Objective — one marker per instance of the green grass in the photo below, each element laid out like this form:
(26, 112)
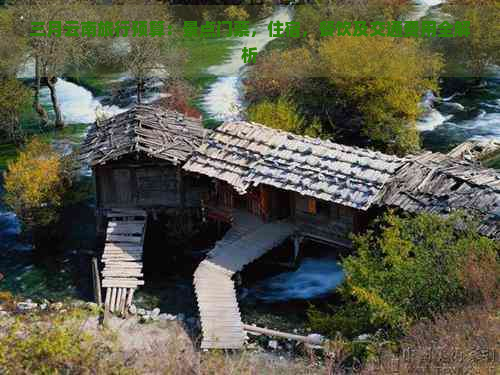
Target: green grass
(203, 53)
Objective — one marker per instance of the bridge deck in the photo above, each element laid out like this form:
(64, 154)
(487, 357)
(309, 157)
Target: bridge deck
(246, 241)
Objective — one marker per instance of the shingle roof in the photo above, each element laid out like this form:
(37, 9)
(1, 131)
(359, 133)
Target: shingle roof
(154, 131)
(437, 183)
(248, 154)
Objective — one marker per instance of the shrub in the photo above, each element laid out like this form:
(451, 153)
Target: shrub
(282, 114)
(415, 267)
(57, 346)
(35, 185)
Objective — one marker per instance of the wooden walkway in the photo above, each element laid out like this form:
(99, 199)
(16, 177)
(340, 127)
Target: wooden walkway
(247, 240)
(122, 258)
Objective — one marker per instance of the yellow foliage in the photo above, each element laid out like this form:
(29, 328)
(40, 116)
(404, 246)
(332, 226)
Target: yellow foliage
(384, 78)
(236, 13)
(35, 183)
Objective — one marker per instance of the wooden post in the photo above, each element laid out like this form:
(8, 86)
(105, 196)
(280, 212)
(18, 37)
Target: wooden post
(96, 282)
(113, 299)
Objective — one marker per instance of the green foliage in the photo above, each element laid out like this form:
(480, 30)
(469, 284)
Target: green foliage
(14, 97)
(411, 268)
(282, 114)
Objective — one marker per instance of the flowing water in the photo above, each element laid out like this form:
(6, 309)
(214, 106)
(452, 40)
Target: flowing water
(464, 112)
(224, 98)
(316, 277)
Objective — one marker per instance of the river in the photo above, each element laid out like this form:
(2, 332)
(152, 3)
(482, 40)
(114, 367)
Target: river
(451, 119)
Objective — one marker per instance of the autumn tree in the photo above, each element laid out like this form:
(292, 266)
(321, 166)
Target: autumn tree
(383, 78)
(141, 54)
(35, 185)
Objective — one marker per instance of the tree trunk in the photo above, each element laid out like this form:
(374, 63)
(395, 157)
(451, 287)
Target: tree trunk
(51, 83)
(44, 117)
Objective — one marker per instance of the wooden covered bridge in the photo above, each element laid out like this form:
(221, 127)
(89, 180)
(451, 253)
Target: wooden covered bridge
(268, 185)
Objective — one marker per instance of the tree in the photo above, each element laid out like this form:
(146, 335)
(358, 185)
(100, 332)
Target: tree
(384, 79)
(414, 267)
(51, 55)
(145, 56)
(35, 185)
(479, 51)
(13, 99)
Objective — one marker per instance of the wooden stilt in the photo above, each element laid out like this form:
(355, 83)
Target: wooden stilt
(113, 299)
(108, 299)
(130, 297)
(118, 299)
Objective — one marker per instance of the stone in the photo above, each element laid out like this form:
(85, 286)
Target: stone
(4, 313)
(44, 306)
(92, 306)
(363, 337)
(166, 317)
(141, 312)
(132, 309)
(56, 306)
(315, 339)
(273, 344)
(25, 306)
(155, 313)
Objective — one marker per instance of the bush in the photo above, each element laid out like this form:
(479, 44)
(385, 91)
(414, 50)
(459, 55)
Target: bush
(56, 346)
(414, 267)
(35, 185)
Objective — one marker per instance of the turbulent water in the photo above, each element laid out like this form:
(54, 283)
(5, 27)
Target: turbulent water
(474, 114)
(315, 278)
(223, 99)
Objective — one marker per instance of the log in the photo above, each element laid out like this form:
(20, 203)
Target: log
(316, 340)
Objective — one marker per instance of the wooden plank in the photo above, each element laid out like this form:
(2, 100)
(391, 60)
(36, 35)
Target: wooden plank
(122, 283)
(126, 239)
(113, 224)
(127, 265)
(122, 247)
(126, 229)
(122, 273)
